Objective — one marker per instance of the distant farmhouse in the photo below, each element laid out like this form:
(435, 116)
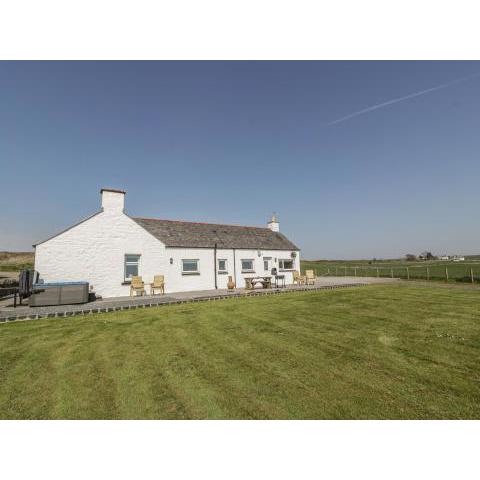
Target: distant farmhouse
(109, 248)
(429, 256)
(455, 258)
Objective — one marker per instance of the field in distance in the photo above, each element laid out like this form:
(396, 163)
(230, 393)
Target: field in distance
(459, 271)
(15, 261)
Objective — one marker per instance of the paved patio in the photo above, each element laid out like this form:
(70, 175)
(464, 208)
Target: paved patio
(24, 312)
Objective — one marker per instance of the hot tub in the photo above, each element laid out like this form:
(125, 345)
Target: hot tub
(58, 293)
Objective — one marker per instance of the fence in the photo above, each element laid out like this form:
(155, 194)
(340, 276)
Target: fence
(4, 292)
(469, 273)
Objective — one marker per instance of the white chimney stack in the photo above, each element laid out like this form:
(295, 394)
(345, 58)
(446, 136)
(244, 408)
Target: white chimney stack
(273, 224)
(112, 200)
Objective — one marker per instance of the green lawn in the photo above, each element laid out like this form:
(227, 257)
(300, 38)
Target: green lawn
(383, 351)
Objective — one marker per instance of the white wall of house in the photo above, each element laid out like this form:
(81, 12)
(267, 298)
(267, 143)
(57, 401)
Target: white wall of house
(94, 251)
(272, 256)
(177, 281)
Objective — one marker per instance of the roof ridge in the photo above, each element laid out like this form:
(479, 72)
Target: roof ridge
(200, 223)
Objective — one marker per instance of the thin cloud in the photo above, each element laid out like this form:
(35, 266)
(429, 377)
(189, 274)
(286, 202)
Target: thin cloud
(400, 99)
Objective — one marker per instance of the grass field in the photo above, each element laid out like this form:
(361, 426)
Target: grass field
(383, 351)
(432, 270)
(15, 261)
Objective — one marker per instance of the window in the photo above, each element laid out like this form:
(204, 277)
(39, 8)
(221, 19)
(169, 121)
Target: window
(247, 265)
(285, 264)
(266, 263)
(131, 266)
(222, 266)
(190, 267)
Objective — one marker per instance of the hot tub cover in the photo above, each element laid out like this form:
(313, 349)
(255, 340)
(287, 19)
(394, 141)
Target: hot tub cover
(58, 284)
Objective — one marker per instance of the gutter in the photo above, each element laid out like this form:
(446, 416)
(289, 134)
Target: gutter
(234, 268)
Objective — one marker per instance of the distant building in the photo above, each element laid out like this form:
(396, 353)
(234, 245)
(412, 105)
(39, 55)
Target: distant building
(444, 257)
(458, 258)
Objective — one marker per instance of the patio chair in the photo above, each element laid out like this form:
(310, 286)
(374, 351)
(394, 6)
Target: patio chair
(137, 286)
(157, 284)
(297, 278)
(310, 277)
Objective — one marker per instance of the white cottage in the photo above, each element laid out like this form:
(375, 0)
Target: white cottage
(109, 247)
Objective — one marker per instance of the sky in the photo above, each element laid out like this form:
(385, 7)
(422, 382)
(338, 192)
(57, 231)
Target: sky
(358, 159)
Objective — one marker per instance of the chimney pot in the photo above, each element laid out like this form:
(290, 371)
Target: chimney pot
(273, 224)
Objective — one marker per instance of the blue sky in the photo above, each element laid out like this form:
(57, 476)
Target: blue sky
(233, 141)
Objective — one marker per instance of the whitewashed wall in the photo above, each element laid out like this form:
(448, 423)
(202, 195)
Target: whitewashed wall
(259, 268)
(176, 281)
(94, 251)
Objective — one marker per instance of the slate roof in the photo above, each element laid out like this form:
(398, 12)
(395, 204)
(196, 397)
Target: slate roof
(204, 235)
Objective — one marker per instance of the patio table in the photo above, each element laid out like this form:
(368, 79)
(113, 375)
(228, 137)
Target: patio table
(250, 282)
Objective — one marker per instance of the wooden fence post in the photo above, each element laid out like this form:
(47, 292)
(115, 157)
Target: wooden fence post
(471, 274)
(446, 273)
(328, 271)
(336, 271)
(408, 274)
(391, 271)
(345, 271)
(355, 271)
(428, 273)
(377, 273)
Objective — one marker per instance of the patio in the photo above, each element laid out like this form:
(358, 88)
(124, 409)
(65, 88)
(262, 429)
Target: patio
(24, 312)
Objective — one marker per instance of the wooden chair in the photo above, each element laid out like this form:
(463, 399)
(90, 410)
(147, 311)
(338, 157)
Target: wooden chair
(297, 278)
(158, 284)
(137, 286)
(310, 277)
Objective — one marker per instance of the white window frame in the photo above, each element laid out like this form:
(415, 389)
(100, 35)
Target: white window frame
(226, 265)
(191, 272)
(281, 264)
(267, 261)
(252, 270)
(125, 263)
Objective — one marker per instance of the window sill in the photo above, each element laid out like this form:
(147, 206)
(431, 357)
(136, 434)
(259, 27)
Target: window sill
(127, 282)
(222, 273)
(190, 273)
(286, 270)
(248, 271)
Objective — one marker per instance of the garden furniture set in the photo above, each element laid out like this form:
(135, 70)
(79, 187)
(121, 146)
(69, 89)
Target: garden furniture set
(137, 287)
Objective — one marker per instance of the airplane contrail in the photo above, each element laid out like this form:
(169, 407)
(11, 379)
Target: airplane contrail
(400, 99)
